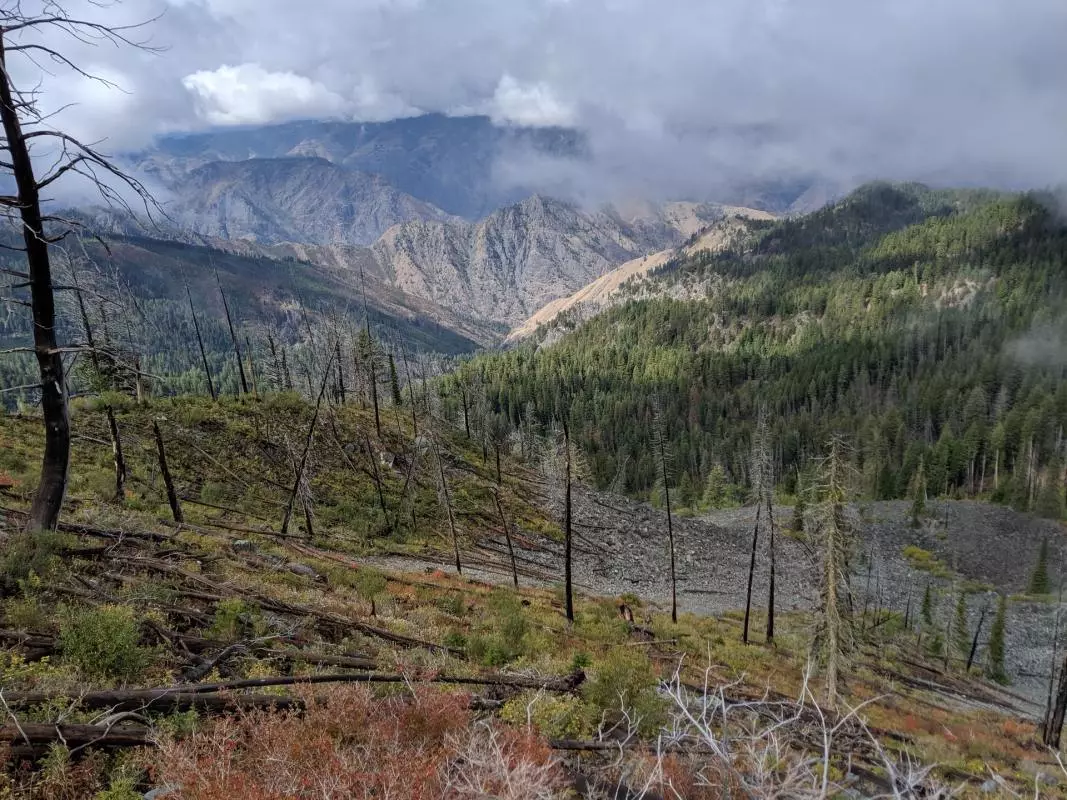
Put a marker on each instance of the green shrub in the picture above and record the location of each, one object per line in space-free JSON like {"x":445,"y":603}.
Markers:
{"x":213,"y":492}
{"x":601,"y":622}
{"x":231,"y":617}
{"x":121,"y":789}
{"x":502,"y":635}
{"x":554,"y":716}
{"x":453,"y":603}
{"x":925,"y":561}
{"x":370,"y":584}
{"x":104,"y":642}
{"x":624,"y":683}
{"x":29,"y":554}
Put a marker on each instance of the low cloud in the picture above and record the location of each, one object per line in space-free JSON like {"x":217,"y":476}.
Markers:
{"x":531,"y":104}
{"x":247,"y":94}
{"x":674,"y":98}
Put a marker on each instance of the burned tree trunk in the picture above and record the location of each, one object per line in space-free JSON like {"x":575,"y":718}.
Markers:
{"x":507,"y":538}
{"x":200,"y":344}
{"x":770,"y":590}
{"x":302,"y":463}
{"x":252,"y":366}
{"x":168,"y":481}
{"x":751,"y":573}
{"x":233,"y":336}
{"x":340,"y":374}
{"x":1053,"y":729}
{"x":568,"y":544}
{"x":448,"y":507}
{"x":112,"y":424}
{"x":116,"y":454}
{"x":52,"y":486}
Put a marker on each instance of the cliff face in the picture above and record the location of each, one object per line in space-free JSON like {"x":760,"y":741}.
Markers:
{"x":519,"y":258}
{"x":306,"y":200}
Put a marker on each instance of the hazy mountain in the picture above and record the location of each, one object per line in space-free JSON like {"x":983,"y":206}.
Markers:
{"x":450,"y":162}
{"x":307,"y":200}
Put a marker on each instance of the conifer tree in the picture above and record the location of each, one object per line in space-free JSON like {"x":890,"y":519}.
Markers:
{"x":836,"y":533}
{"x":918,"y":495}
{"x":394,"y":382}
{"x":717,"y":489}
{"x":995,"y":664}
{"x":961,"y":637}
{"x":928,"y":607}
{"x":1039,"y":577}
{"x":801,"y":506}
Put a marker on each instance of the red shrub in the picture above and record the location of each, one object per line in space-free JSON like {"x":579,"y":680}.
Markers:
{"x":350,"y":745}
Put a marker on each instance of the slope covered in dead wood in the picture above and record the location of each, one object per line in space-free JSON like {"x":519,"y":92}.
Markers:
{"x":222,"y":659}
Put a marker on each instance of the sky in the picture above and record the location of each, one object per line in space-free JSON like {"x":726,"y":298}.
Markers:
{"x":672,"y":94}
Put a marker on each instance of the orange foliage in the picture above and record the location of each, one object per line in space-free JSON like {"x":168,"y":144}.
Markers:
{"x":347,"y":744}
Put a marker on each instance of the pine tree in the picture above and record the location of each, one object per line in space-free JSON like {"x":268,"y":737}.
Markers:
{"x":961,"y":637}
{"x":836,"y":531}
{"x":801,"y":507}
{"x":394,"y":382}
{"x":918,"y":495}
{"x":995,"y":664}
{"x":928,"y":608}
{"x":1039,"y":578}
{"x":717,"y":489}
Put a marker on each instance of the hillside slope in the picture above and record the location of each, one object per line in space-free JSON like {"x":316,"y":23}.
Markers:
{"x":517,"y":259}
{"x":906,"y":318}
{"x":604,"y":291}
{"x":224,"y":652}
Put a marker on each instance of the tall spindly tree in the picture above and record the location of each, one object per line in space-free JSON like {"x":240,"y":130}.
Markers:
{"x":36,"y":155}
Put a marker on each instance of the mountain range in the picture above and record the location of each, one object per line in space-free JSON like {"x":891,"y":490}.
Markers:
{"x":424,"y":211}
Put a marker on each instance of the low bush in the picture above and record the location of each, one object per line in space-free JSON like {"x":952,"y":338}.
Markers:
{"x":421,"y":745}
{"x":103,"y":643}
{"x":623,"y":687}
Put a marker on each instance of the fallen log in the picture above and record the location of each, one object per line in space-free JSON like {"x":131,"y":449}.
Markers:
{"x":130,"y":699}
{"x":37,"y":736}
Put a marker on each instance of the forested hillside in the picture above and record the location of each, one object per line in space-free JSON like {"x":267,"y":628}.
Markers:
{"x":927,"y":326}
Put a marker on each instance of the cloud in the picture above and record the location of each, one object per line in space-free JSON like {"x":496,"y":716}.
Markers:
{"x":685,"y":97}
{"x":250,"y":95}
{"x":532,"y":104}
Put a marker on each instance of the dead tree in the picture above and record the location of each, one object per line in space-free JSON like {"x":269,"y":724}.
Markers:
{"x":301,"y":464}
{"x":659,"y":448}
{"x":507,"y":537}
{"x":164,"y":470}
{"x":560,"y":467}
{"x":369,"y":356}
{"x":109,"y":411}
{"x":762,"y":476}
{"x":25,"y":123}
{"x":200,"y":344}
{"x":1053,"y":728}
{"x":367,"y":348}
{"x":411,"y":390}
{"x":233,"y":335}
{"x":835,"y":532}
{"x":446,"y":500}
{"x":252,"y":366}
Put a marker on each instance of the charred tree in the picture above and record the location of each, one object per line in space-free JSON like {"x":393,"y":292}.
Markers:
{"x":164,"y":470}
{"x":507,"y":538}
{"x":200,"y":344}
{"x":302,"y":463}
{"x":24,"y":122}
